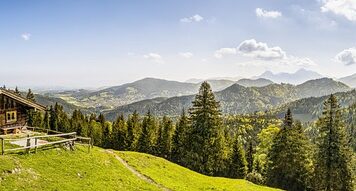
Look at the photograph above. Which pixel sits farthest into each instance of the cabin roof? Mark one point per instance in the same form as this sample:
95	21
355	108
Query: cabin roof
22	100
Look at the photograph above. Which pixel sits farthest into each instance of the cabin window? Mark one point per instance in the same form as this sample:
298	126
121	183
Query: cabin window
11	116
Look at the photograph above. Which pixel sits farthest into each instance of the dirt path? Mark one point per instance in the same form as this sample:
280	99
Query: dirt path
136	173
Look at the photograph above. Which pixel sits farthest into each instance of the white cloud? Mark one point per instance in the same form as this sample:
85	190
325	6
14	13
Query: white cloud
186	54
194	18
260	50
154	57
262	53
346	8
347	57
225	51
26	36
267	14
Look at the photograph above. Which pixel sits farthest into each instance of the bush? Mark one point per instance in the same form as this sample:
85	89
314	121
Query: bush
255	177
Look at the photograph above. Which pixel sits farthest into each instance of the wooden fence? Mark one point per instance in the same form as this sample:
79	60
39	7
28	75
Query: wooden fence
69	138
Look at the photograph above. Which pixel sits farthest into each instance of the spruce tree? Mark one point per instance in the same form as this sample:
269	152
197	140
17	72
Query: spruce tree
333	160
238	166
164	142
46	120
133	131
207	144
17	91
289	161
53	118
147	141
119	134
30	95
180	139
249	157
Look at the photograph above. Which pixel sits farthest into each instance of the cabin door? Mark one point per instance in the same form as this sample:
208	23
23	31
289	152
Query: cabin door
2	119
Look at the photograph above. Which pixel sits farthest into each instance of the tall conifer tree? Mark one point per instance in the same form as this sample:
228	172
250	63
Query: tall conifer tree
133	131
289	160
180	139
207	144
333	160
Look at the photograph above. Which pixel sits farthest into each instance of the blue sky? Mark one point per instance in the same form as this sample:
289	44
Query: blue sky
101	43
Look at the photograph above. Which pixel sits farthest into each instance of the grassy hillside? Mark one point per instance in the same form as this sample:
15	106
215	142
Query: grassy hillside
179	178
57	169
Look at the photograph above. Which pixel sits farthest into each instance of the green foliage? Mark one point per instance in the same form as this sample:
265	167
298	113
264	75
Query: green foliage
133	131
119	137
207	152
30	95
255	177
265	138
289	164
180	139
147	141
164	142
333	160
238	164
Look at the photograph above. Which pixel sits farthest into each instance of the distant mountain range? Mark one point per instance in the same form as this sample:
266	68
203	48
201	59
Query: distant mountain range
260	82
146	88
298	77
349	80
238	99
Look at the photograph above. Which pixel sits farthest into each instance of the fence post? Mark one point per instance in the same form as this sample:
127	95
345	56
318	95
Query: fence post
2	146
28	144
36	145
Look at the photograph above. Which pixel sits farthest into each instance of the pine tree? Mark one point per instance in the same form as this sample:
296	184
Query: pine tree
53	118
207	144
30	95
180	139
147	141
17	91
238	167
133	131
164	142
249	157
119	134
289	161
333	160
46	120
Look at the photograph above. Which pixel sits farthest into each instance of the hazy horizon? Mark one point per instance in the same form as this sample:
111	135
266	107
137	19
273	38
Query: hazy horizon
81	44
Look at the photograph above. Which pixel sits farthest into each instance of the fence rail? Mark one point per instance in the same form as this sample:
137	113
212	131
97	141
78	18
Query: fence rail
69	138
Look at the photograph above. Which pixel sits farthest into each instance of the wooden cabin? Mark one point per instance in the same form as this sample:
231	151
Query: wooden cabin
13	111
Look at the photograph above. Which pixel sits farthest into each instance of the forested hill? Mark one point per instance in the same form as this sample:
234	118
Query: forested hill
310	108
238	99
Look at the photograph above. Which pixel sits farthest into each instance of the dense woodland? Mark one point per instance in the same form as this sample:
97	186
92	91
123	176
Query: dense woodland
258	147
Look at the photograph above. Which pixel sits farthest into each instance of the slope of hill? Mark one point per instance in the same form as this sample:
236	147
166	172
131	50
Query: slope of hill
320	87
238	99
309	109
260	82
67	107
146	88
349	80
56	169
179	178
298	77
